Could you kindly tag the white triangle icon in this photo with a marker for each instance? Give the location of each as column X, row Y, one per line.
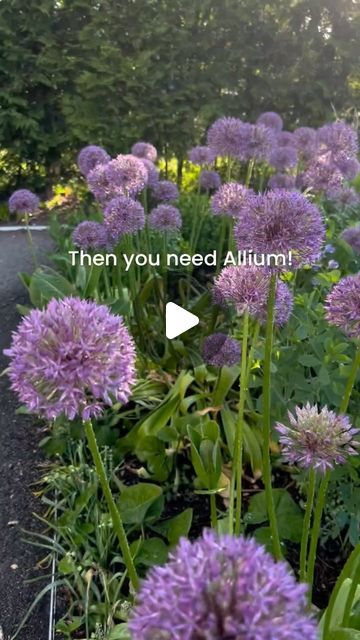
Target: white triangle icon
column 178, row 320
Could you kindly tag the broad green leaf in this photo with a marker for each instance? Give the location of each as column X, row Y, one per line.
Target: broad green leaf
column 136, row 501
column 178, row 526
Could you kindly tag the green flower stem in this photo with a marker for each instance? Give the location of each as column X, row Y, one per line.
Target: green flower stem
column 355, row 581
column 30, row 239
column 349, row 571
column 249, row 172
column 325, row 481
column 306, row 524
column 213, row 512
column 267, row 419
column 239, row 434
column 222, row 240
column 254, row 342
column 164, row 267
column 114, row 512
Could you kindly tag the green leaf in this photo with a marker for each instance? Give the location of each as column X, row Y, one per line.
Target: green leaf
column 178, row 526
column 344, row 634
column 289, row 515
column 66, row 565
column 47, row 284
column 135, row 502
column 120, row 632
column 308, row 360
column 151, row 552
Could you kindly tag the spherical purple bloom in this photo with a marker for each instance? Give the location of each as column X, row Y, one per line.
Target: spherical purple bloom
column 317, row 439
column 352, row 237
column 209, row 180
column 221, row 587
column 144, row 150
column 230, row 199
column 344, row 197
column 271, row 119
column 165, row 217
column 165, row 190
column 338, row 137
column 285, row 139
column 201, row 155
column 90, row 235
column 282, row 181
column 306, row 142
column 23, row 201
column 322, row 174
column 152, row 171
column 126, row 174
column 348, row 165
column 278, row 222
column 247, row 288
column 71, row 358
column 225, row 136
column 219, row 350
column 283, row 157
column 123, row 215
column 342, row 305
column 91, row 156
column 99, row 184
column 257, row 142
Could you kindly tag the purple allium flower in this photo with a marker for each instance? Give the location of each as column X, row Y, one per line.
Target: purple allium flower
column 71, row 358
column 123, row 215
column 257, row 142
column 322, row 174
column 225, row 136
column 221, row 587
column 342, row 305
column 23, row 201
column 345, row 197
column 247, row 288
column 317, row 439
column 282, row 181
column 165, row 217
column 219, row 350
column 278, row 222
column 91, row 156
column 126, row 174
column 338, row 137
column 98, row 183
column 271, row 119
column 348, row 165
column 153, row 173
column 352, row 237
column 90, row 235
column 209, row 180
column 285, row 139
column 201, row 155
column 230, row 199
column 329, row 248
column 165, row 190
column 306, row 142
column 283, row 157
column 144, row 150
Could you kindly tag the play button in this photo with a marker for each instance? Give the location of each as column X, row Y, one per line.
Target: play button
column 178, row 320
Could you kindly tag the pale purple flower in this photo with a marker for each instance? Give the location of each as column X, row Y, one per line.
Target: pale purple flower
column 90, row 235
column 91, row 156
column 123, row 215
column 283, row 157
column 282, row 181
column 278, row 222
column 225, row 136
column 23, row 201
column 342, row 305
column 322, row 174
column 348, row 165
column 329, row 248
column 338, row 137
column 144, row 150
column 98, row 183
column 152, row 171
column 257, row 142
column 221, row 587
column 164, row 190
column 271, row 119
column 165, row 217
column 247, row 288
column 344, row 197
column 317, row 439
column 220, row 350
column 305, row 139
column 352, row 237
column 209, row 180
column 230, row 198
column 71, row 358
column 201, row 155
column 285, row 139
column 332, row 264
column 126, row 174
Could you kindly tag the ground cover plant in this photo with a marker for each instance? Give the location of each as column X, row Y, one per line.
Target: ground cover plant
column 205, row 487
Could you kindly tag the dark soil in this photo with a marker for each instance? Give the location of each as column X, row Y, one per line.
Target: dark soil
column 20, row 460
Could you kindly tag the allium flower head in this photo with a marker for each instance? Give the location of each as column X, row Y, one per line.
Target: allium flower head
column 271, row 119
column 23, row 201
column 98, row 183
column 165, row 191
column 90, row 235
column 283, row 157
column 230, row 198
column 152, row 171
column 278, row 222
column 344, row 197
column 322, row 174
column 247, row 288
column 219, row 350
column 225, row 136
column 285, row 139
column 338, row 137
column 282, row 181
column 221, row 587
column 72, row 358
column 305, row 139
column 201, row 155
column 257, row 142
column 348, row 165
column 91, row 156
column 144, row 150
column 165, row 217
column 342, row 305
column 352, row 237
column 126, row 174
column 123, row 215
column 317, row 439
column 209, row 180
